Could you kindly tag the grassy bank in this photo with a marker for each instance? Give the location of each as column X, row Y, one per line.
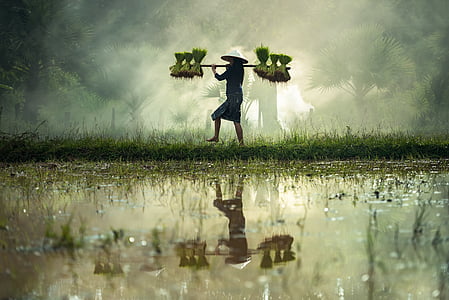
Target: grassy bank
column 22, row 148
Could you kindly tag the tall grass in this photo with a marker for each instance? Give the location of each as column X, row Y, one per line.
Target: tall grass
column 191, row 145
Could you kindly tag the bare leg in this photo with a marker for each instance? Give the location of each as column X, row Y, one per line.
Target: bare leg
column 238, row 193
column 218, row 193
column 217, row 131
column 239, row 132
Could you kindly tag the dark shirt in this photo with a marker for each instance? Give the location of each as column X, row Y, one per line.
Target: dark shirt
column 234, row 78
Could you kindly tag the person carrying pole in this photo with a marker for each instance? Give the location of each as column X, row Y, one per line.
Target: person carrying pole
column 231, row 109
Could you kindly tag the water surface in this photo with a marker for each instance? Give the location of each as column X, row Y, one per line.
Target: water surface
column 329, row 230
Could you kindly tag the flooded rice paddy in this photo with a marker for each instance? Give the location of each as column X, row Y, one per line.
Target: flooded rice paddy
column 328, row 230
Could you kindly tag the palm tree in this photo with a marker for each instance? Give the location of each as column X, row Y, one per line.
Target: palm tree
column 37, row 35
column 361, row 60
column 266, row 95
column 135, row 103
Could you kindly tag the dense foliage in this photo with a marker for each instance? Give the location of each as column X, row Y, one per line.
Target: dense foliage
column 74, row 60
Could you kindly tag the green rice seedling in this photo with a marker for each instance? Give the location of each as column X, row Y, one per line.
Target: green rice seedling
column 184, row 261
column 284, row 60
column 200, row 251
column 186, row 70
column 277, row 256
column 198, row 56
column 289, row 255
column 176, row 68
column 202, row 262
column 66, row 240
column 263, row 53
column 273, row 70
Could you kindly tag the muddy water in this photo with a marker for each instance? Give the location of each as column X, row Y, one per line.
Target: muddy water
column 369, row 231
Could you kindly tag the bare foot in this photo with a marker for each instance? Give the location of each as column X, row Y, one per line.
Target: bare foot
column 212, row 139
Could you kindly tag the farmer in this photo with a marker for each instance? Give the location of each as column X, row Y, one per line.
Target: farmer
column 230, row 109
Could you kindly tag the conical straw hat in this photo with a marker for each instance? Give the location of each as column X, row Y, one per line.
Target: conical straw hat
column 234, row 54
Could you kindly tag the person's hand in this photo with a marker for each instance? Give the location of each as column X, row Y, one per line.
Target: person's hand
column 214, row 68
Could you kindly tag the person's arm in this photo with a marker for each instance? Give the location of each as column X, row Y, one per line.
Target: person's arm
column 222, row 76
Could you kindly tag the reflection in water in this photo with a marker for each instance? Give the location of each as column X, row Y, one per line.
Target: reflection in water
column 277, row 244
column 338, row 236
column 238, row 256
column 107, row 263
column 192, row 253
column 371, row 239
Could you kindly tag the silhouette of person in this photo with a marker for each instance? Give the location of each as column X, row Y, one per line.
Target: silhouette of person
column 231, row 109
column 233, row 209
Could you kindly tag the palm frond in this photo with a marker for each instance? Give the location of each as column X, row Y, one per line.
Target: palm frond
column 359, row 60
column 5, row 87
column 213, row 90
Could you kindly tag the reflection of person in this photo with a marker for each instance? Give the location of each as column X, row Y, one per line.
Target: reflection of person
column 237, row 243
column 231, row 109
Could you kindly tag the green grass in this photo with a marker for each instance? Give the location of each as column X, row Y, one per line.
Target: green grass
column 289, row 147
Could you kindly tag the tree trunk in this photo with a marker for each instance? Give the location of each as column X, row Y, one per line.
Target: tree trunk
column 32, row 94
column 113, row 119
column 268, row 112
column 361, row 105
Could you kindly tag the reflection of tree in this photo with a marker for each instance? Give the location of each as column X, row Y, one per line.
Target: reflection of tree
column 268, row 195
column 371, row 239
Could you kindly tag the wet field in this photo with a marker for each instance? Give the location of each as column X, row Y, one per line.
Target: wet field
column 327, row 230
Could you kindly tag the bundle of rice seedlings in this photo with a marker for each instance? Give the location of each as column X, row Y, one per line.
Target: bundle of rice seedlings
column 273, row 70
column 186, row 69
column 283, row 75
column 267, row 261
column 263, row 53
column 198, row 56
column 176, row 68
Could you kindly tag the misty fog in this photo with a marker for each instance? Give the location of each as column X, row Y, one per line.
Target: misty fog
column 102, row 66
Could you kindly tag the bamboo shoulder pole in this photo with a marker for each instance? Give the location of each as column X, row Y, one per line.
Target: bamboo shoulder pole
column 218, row 66
column 222, row 66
